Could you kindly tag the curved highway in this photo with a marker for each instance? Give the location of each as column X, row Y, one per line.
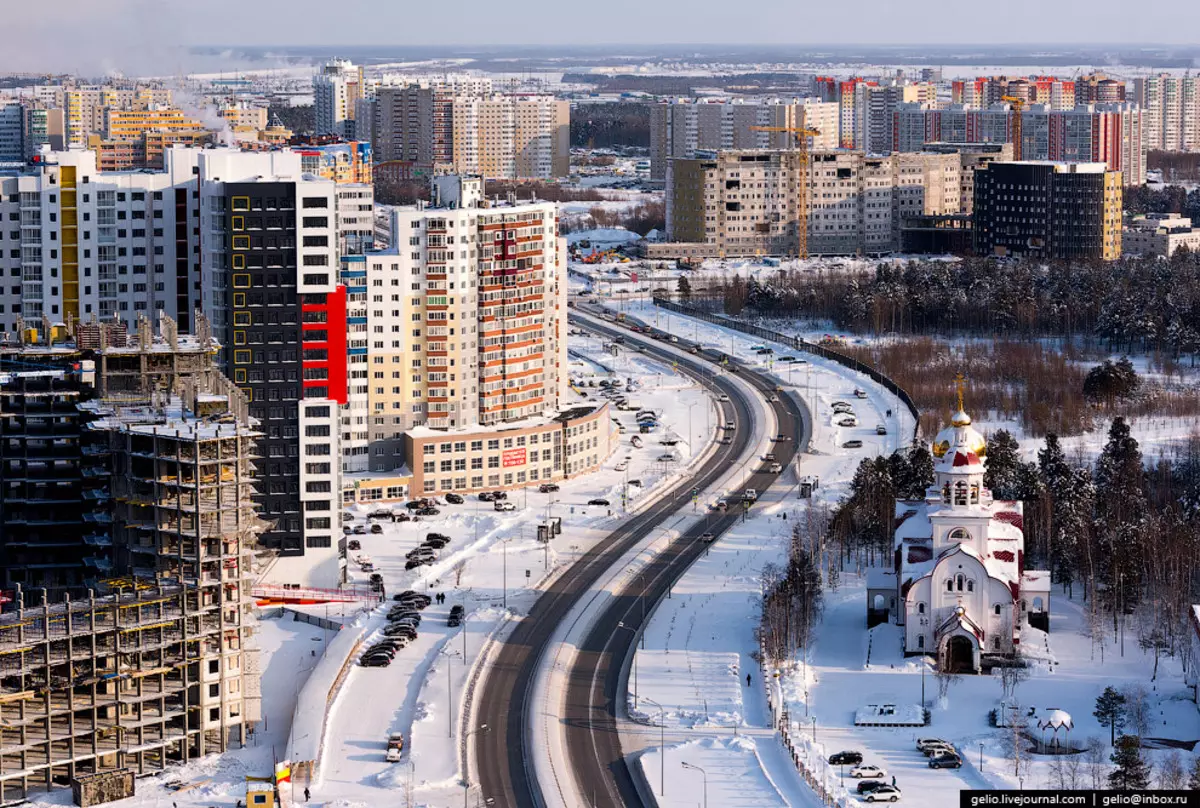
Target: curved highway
column 504, row 760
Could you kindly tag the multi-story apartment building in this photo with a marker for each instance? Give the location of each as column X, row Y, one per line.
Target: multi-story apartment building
column 458, row 125
column 464, row 333
column 746, row 202
column 84, row 107
column 132, row 124
column 12, row 132
column 1048, row 210
column 681, row 128
column 337, row 90
column 147, row 151
column 1110, row 133
column 340, row 162
column 1159, row 234
column 245, row 116
column 249, row 239
column 1171, row 111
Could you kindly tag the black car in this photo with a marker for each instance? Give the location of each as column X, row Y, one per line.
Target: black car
column 415, row 504
column 499, row 495
column 845, row 759
column 435, row 544
column 548, row 488
column 428, row 511
column 413, row 563
column 454, row 621
column 401, row 612
column 415, row 601
column 375, row 661
column 401, row 630
column 454, row 499
column 865, row 786
column 401, row 517
column 457, row 609
column 407, row 593
column 603, row 503
column 354, row 544
column 945, row 761
column 486, row 496
column 376, row 528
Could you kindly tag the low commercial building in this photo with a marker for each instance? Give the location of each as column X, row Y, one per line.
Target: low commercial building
column 1159, row 234
column 1045, row 209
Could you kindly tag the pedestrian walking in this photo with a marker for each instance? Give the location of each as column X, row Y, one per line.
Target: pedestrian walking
column 306, row 795
column 893, row 781
column 747, row 680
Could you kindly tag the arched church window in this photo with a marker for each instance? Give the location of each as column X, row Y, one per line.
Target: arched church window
column 996, row 643
column 975, row 494
column 958, row 582
column 997, row 608
column 921, row 641
column 949, row 584
column 920, row 608
column 959, row 534
column 970, row 586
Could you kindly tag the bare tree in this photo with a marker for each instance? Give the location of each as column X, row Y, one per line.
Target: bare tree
column 1011, row 674
column 1095, row 760
column 945, row 680
column 1171, row 775
column 1137, row 709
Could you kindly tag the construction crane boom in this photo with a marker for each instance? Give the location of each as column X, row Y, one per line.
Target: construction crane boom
column 1018, row 104
column 802, row 134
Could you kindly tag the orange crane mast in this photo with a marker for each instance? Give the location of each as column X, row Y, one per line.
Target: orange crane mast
column 802, row 135
column 1018, row 105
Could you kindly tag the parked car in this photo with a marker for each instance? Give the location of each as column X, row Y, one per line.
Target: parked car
column 400, row 516
column 428, row 512
column 849, row 420
column 852, row 444
column 550, row 488
column 380, row 514
column 841, row 406
column 603, row 503
column 935, row 749
column 400, row 630
column 845, row 758
column 923, row 743
column 413, row 563
column 376, row 528
column 346, row 531
column 868, row 770
column 354, row 544
column 407, row 593
column 945, row 761
column 486, row 496
column 669, row 442
column 860, row 393
column 866, row 786
column 436, row 544
column 360, row 530
column 885, row 793
column 454, row 620
column 415, row 504
column 376, row 578
column 504, row 506
column 454, row 499
column 880, row 429
column 375, row 661
column 457, row 609
column 395, row 747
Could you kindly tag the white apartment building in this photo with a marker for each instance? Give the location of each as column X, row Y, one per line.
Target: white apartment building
column 680, row 128
column 337, row 89
column 1170, row 110
column 12, row 134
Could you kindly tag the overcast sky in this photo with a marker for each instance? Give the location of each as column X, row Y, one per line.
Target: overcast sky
column 132, row 35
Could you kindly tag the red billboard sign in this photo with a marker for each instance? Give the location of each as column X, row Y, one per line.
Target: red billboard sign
column 513, row 457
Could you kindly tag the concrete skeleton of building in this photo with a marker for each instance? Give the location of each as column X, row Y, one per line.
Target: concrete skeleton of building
column 683, row 128
column 457, row 124
column 135, row 458
column 1048, row 209
column 745, row 202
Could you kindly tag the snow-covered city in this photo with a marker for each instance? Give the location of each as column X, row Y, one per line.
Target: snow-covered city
column 548, row 426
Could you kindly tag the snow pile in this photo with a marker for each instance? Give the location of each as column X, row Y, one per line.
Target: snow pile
column 890, row 715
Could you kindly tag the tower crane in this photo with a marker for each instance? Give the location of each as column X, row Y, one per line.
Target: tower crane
column 1018, row 105
column 802, row 135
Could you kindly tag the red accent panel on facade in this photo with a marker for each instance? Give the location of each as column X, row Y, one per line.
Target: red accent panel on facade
column 337, row 379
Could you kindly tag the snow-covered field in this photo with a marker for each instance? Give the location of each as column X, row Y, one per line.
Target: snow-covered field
column 699, row 643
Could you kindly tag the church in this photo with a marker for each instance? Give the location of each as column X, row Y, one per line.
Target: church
column 961, row 586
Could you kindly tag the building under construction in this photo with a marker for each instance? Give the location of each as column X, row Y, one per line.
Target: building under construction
column 154, row 661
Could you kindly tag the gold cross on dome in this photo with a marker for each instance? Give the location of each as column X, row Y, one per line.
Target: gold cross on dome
column 960, row 382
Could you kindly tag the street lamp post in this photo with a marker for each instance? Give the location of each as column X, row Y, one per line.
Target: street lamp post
column 466, row 777
column 981, row 757
column 662, row 745
column 449, row 695
column 635, row 665
column 504, row 571
column 703, row 774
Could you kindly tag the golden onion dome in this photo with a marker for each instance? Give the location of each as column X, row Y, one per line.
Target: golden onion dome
column 960, row 418
column 945, row 439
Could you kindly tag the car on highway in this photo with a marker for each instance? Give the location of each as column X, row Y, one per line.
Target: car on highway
column 720, row 505
column 880, row 429
column 885, row 793
column 782, row 438
column 867, row 770
column 769, row 456
column 723, row 398
column 774, row 399
column 504, row 506
column 852, row 444
column 849, row 420
column 603, row 503
column 750, row 496
column 707, row 538
column 725, row 441
column 859, row 392
column 775, row 468
column 945, row 761
column 845, row 758
column 730, row 425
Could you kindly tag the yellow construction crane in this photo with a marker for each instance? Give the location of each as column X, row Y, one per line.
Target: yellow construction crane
column 802, row 135
column 1018, row 104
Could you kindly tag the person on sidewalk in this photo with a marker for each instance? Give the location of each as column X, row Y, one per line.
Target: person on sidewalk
column 747, row 680
column 306, row 795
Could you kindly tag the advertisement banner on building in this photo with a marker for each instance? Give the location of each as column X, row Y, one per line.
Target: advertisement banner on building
column 513, row 457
